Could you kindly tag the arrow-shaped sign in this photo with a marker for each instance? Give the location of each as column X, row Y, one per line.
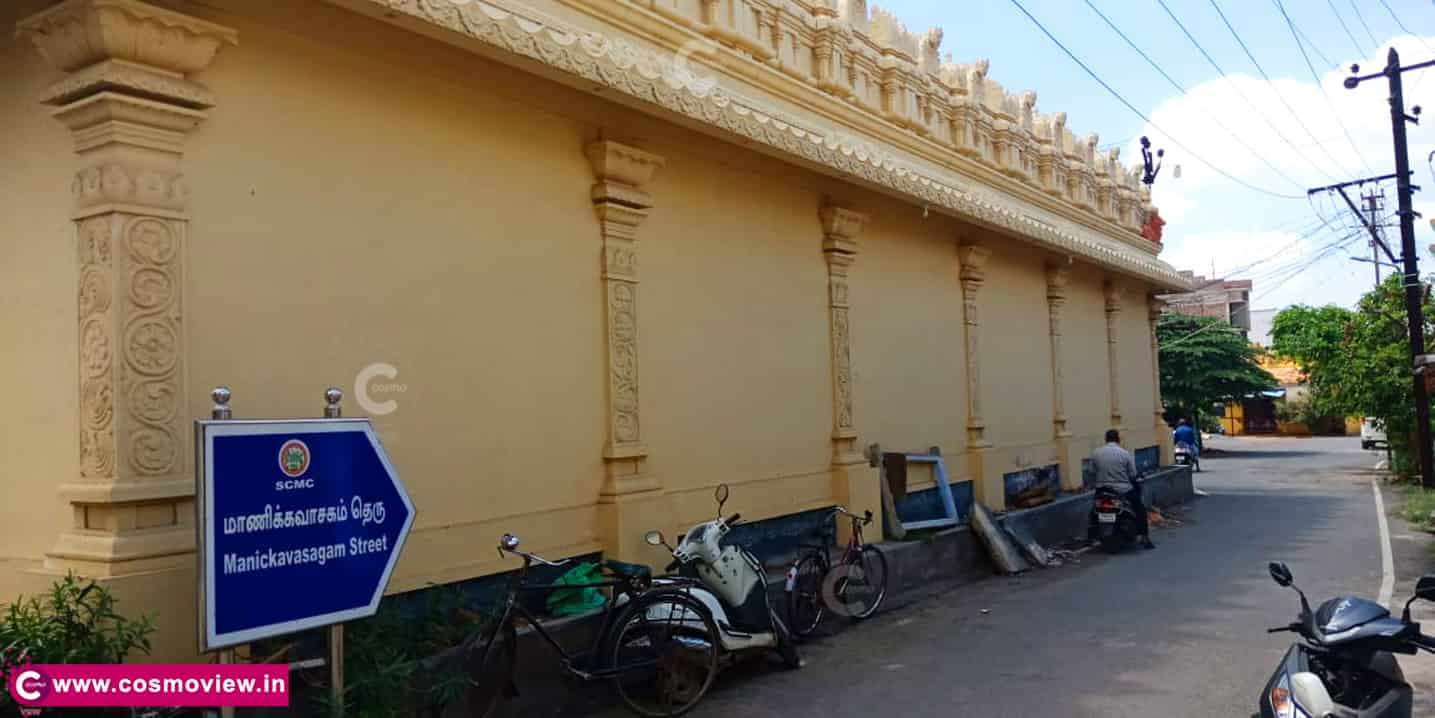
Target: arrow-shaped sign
column 301, row 523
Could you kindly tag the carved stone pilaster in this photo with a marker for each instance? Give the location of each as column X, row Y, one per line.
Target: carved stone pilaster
column 841, row 227
column 129, row 103
column 1112, row 293
column 621, row 201
column 973, row 259
column 1056, row 280
column 1057, row 277
column 972, row 273
column 1164, row 439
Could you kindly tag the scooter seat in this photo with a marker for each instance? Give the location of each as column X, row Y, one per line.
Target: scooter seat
column 628, row 570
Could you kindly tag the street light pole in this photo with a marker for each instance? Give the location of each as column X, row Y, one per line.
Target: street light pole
column 1414, row 289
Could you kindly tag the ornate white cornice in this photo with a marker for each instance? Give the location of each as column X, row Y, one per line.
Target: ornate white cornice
column 667, row 81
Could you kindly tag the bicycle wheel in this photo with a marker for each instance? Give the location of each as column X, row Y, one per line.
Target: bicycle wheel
column 805, row 607
column 490, row 668
column 862, row 583
column 664, row 653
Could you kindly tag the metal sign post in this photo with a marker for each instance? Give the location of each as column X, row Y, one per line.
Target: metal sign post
column 221, row 412
column 333, row 410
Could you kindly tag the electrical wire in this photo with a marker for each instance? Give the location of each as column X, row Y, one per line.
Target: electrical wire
column 1361, row 18
column 1178, row 341
column 1315, row 76
column 1402, row 27
column 1332, row 249
column 1358, row 49
column 1285, row 274
column 1236, row 86
column 1274, row 90
column 1301, row 237
column 1406, row 30
column 1142, row 115
column 1181, row 89
column 1311, row 44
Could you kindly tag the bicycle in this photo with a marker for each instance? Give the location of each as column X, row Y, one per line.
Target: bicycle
column 658, row 645
column 854, row 587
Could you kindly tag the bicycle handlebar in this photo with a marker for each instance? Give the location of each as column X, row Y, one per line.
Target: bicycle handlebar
column 865, row 519
column 533, row 557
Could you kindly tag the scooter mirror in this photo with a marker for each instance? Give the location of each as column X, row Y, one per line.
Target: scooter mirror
column 1425, row 587
column 720, row 493
column 1281, row 574
column 654, row 538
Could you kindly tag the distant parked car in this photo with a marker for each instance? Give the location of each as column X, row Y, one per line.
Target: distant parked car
column 1372, row 434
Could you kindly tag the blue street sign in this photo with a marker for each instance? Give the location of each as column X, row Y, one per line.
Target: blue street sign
column 301, row 523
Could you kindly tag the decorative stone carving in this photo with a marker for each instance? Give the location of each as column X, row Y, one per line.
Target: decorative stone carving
column 129, row 105
column 621, row 202
column 79, row 33
column 1151, row 228
column 844, row 62
column 116, row 183
column 1111, row 291
column 841, row 227
column 138, row 78
column 97, row 411
column 972, row 259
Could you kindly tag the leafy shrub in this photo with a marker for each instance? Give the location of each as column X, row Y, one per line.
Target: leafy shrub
column 383, row 657
column 76, row 622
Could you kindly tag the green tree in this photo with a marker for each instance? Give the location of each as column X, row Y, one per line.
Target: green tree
column 1358, row 361
column 1205, row 361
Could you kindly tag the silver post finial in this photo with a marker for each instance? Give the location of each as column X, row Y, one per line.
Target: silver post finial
column 221, row 409
column 332, row 396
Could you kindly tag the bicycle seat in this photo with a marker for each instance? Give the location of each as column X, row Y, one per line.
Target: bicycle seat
column 628, row 570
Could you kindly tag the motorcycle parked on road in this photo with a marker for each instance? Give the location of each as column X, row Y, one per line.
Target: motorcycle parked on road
column 730, row 583
column 1113, row 521
column 1345, row 667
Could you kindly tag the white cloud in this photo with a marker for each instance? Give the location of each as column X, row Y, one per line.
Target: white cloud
column 1212, row 218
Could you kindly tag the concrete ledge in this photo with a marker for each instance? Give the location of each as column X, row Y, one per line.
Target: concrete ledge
column 1170, row 486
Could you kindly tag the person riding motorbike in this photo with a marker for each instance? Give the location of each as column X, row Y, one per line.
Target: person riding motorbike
column 1184, row 434
column 1116, row 469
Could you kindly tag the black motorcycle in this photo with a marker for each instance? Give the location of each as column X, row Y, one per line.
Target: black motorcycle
column 1345, row 667
column 1113, row 521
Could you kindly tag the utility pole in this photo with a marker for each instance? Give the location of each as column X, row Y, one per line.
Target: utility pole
column 1372, row 205
column 1414, row 288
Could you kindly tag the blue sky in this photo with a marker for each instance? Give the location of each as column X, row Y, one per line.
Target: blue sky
column 1301, row 137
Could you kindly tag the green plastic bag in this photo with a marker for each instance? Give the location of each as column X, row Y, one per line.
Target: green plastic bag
column 572, row 601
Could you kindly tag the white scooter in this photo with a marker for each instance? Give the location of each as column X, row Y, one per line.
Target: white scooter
column 730, row 583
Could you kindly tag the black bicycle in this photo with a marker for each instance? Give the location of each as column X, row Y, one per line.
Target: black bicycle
column 658, row 645
column 854, row 587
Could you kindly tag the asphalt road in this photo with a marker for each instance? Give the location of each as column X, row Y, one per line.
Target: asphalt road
column 1179, row 631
